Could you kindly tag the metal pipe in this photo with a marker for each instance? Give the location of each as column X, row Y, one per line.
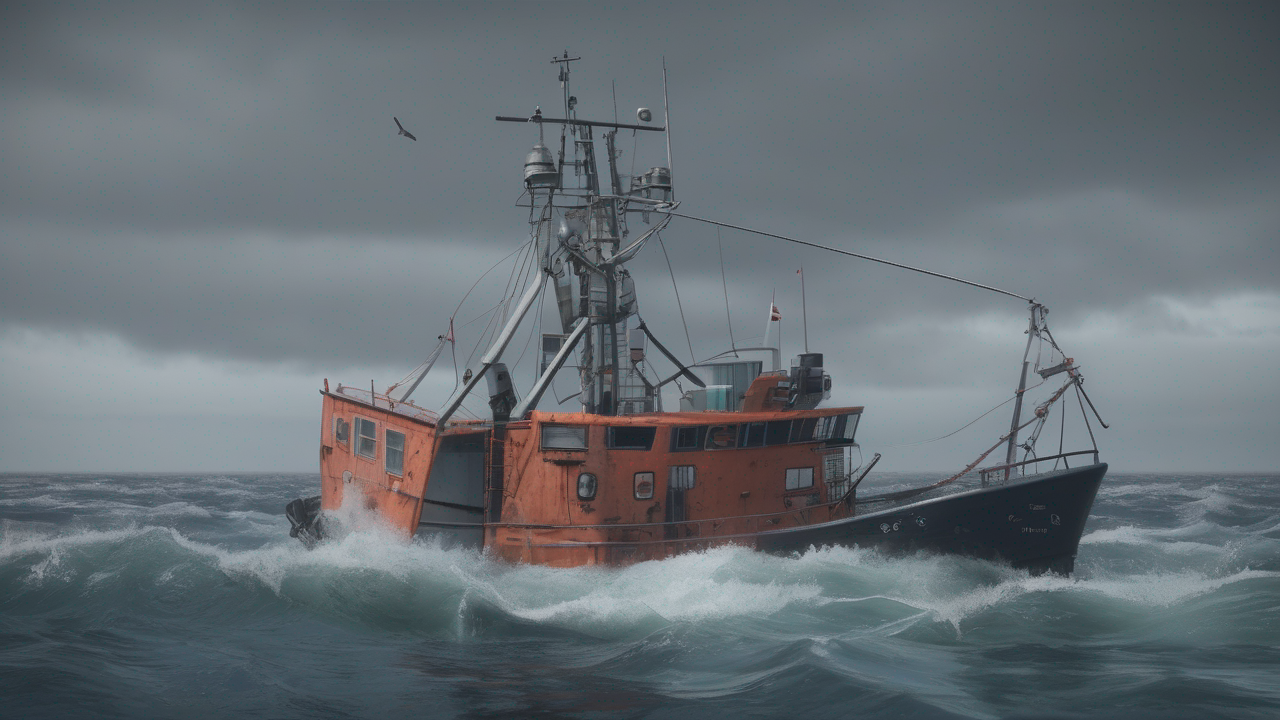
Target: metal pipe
column 495, row 350
column 662, row 349
column 535, row 394
column 588, row 123
column 666, row 118
column 1022, row 388
column 853, row 488
column 431, row 361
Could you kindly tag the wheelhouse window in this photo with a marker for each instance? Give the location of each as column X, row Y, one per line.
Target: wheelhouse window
column 644, row 486
column 722, row 437
column 342, row 431
column 366, row 438
column 751, row 435
column 799, row 478
column 802, row 430
column 687, row 438
column 630, row 437
column 777, row 432
column 850, row 426
column 825, row 427
column 682, row 477
column 586, row 486
column 395, row 452
column 564, row 437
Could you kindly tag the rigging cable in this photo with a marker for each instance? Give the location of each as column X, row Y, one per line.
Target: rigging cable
column 944, row 437
column 456, row 379
column 845, row 252
column 679, row 307
column 725, row 283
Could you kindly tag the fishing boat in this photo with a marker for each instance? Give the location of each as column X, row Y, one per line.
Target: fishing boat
column 752, row 456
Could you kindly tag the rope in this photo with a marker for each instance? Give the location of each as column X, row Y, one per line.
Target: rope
column 944, row 437
column 846, row 252
column 921, row 490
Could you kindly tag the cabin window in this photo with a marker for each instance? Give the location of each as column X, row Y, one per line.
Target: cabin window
column 722, row 437
column 366, row 438
column 395, row 452
column 799, row 478
column 627, row 437
column 850, row 426
column 564, row 437
column 687, row 438
column 644, row 486
column 802, row 430
column 682, row 477
column 586, row 486
column 777, row 432
column 342, row 431
column 751, row 435
column 825, row 426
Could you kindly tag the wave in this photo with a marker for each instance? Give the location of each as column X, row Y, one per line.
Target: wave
column 369, row 576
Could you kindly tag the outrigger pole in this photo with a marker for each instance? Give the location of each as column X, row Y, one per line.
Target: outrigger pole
column 495, row 350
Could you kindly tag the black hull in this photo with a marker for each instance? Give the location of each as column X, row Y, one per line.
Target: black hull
column 1033, row 522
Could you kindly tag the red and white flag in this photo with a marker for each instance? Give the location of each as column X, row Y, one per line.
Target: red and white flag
column 774, row 313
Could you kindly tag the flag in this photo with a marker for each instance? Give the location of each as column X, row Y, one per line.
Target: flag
column 774, row 313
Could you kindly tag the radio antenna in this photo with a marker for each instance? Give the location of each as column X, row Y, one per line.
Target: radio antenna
column 666, row 117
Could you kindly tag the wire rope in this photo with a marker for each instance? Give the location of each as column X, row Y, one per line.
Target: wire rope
column 725, row 282
column 688, row 338
column 846, row 252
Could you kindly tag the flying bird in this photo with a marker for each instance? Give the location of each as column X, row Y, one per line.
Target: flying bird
column 404, row 132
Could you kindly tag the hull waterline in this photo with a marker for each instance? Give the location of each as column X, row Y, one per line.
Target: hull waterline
column 1034, row 522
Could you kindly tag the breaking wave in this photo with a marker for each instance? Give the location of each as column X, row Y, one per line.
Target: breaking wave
column 917, row 634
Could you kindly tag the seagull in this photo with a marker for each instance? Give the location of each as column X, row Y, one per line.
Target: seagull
column 404, row 132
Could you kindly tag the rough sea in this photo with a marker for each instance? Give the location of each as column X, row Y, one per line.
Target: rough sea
column 182, row 596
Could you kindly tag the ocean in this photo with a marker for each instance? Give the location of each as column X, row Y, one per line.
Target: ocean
column 182, row 596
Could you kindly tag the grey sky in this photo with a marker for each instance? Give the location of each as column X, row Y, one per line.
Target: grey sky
column 206, row 210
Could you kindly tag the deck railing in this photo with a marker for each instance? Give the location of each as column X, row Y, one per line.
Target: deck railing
column 1003, row 471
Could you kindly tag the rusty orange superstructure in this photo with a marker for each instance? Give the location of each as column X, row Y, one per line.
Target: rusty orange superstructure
column 661, row 483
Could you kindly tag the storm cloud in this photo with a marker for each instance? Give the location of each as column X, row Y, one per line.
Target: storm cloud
column 222, row 185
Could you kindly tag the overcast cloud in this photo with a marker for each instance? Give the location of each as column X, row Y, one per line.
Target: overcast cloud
column 206, row 210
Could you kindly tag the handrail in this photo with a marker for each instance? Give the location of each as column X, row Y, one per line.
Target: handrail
column 984, row 472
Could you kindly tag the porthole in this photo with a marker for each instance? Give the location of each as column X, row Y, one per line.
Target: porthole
column 586, row 486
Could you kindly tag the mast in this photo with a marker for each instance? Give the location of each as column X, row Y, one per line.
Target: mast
column 1033, row 331
column 579, row 228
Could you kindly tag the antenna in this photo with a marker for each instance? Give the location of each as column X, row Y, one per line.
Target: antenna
column 666, row 120
column 804, row 311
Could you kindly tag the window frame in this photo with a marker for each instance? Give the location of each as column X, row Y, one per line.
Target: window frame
column 775, row 429
column 611, row 442
column 674, row 470
column 635, row 484
column 358, row 438
column 730, row 433
column 594, row 484
column 699, row 437
column 338, row 420
column 386, row 456
column 799, row 475
column 586, row 437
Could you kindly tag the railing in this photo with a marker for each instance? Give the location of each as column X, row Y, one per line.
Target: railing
column 1005, row 470
column 385, row 402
